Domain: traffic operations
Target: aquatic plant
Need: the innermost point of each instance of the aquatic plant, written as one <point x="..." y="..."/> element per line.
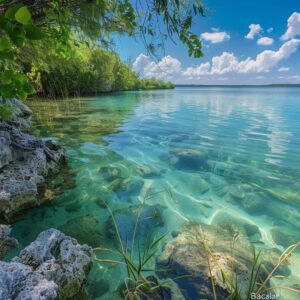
<point x="257" y="284"/>
<point x="136" y="259"/>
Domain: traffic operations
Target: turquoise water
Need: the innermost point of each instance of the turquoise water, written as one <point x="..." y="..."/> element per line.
<point x="202" y="154"/>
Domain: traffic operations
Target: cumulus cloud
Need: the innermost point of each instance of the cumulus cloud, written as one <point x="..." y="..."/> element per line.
<point x="293" y="27"/>
<point x="265" y="41"/>
<point x="226" y="63"/>
<point x="255" y="29"/>
<point x="215" y="37"/>
<point x="167" y="67"/>
<point x="283" y="69"/>
<point x="200" y="70"/>
<point x="270" y="29"/>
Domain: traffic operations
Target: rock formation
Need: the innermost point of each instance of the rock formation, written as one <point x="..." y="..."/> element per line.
<point x="6" y="242"/>
<point x="25" y="162"/>
<point x="54" y="266"/>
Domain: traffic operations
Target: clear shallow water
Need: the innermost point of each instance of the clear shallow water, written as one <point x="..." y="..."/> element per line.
<point x="231" y="153"/>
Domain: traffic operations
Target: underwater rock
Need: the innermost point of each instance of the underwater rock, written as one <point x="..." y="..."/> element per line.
<point x="6" y="242"/>
<point x="254" y="203"/>
<point x="72" y="207"/>
<point x="235" y="225"/>
<point x="97" y="288"/>
<point x="188" y="159"/>
<point x="187" y="254"/>
<point x="150" y="220"/>
<point x="54" y="266"/>
<point x="84" y="229"/>
<point x="283" y="237"/>
<point x="126" y="187"/>
<point x="110" y="173"/>
<point x="149" y="172"/>
<point x="25" y="162"/>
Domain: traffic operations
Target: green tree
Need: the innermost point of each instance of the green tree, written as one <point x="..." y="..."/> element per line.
<point x="55" y="23"/>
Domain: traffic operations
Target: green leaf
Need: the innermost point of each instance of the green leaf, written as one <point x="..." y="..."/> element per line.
<point x="7" y="77"/>
<point x="28" y="88"/>
<point x="5" y="112"/>
<point x="22" y="95"/>
<point x="34" y="33"/>
<point x="17" y="35"/>
<point x="4" y="43"/>
<point x="7" y="91"/>
<point x="2" y="22"/>
<point x="11" y="11"/>
<point x="23" y="15"/>
<point x="18" y="40"/>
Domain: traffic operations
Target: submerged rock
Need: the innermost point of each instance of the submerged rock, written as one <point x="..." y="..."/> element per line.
<point x="25" y="162"/>
<point x="85" y="230"/>
<point x="188" y="159"/>
<point x="110" y="173"/>
<point x="284" y="237"/>
<point x="6" y="241"/>
<point x="201" y="251"/>
<point x="149" y="172"/>
<point x="237" y="226"/>
<point x="150" y="220"/>
<point x="126" y="187"/>
<point x="54" y="266"/>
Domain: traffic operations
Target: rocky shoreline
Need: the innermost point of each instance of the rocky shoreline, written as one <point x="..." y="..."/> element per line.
<point x="25" y="163"/>
<point x="54" y="266"/>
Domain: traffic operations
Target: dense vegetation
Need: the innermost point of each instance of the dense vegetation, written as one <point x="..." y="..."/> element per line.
<point x="85" y="70"/>
<point x="43" y="43"/>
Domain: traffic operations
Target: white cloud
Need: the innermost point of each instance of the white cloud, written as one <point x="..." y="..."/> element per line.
<point x="295" y="78"/>
<point x="165" y="68"/>
<point x="227" y="63"/>
<point x="268" y="58"/>
<point x="265" y="41"/>
<point x="269" y="30"/>
<point x="283" y="69"/>
<point x="140" y="63"/>
<point x="255" y="29"/>
<point x="215" y="37"/>
<point x="293" y="27"/>
<point x="202" y="69"/>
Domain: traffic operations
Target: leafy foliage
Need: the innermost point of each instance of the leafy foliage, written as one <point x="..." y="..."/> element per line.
<point x="60" y="24"/>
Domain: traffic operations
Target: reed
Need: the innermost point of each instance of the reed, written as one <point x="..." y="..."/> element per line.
<point x="136" y="260"/>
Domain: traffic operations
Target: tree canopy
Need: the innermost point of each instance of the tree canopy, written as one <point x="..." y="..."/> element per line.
<point x="59" y="25"/>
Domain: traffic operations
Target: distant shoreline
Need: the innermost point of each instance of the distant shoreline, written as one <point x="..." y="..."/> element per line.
<point x="237" y="85"/>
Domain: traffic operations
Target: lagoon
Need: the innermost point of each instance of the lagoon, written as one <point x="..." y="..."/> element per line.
<point x="207" y="155"/>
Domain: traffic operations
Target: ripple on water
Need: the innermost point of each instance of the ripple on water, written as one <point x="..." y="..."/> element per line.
<point x="207" y="155"/>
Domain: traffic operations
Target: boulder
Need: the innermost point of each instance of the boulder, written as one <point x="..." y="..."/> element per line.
<point x="54" y="266"/>
<point x="149" y="172"/>
<point x="188" y="159"/>
<point x="6" y="242"/>
<point x="25" y="162"/>
<point x="110" y="173"/>
<point x="201" y="251"/>
<point x="21" y="114"/>
<point x="285" y="237"/>
<point x="18" y="281"/>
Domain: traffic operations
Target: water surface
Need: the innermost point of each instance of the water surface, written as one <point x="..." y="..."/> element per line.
<point x="202" y="154"/>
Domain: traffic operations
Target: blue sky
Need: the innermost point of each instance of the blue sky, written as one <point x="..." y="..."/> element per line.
<point x="245" y="42"/>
